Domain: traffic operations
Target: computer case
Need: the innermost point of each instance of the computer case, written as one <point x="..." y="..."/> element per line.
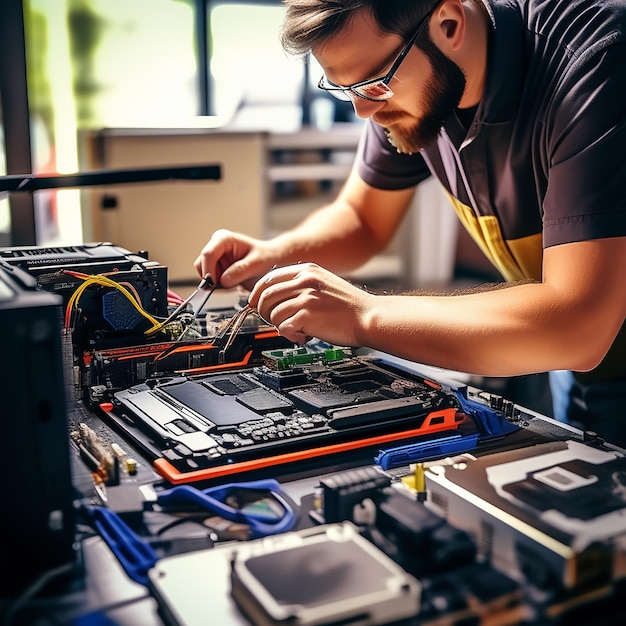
<point x="37" y="522"/>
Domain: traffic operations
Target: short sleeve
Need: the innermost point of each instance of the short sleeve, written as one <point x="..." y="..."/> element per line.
<point x="586" y="147"/>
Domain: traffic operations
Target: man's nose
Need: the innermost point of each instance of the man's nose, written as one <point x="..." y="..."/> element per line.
<point x="366" y="108"/>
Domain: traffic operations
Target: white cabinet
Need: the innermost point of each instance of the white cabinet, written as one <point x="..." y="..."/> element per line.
<point x="172" y="220"/>
<point x="269" y="182"/>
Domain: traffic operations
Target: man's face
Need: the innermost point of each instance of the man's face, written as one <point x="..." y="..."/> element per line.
<point x="435" y="101"/>
<point x="427" y="87"/>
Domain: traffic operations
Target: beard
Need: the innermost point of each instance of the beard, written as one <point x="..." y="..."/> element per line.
<point x="442" y="94"/>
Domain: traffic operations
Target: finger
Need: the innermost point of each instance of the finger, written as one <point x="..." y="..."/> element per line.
<point x="214" y="259"/>
<point x="273" y="277"/>
<point x="290" y="331"/>
<point x="289" y="316"/>
<point x="202" y="263"/>
<point x="298" y="337"/>
<point x="199" y="265"/>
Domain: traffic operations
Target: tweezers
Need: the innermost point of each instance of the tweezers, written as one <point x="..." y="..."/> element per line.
<point x="231" y="329"/>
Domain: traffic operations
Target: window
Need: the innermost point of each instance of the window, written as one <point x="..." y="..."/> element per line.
<point x="121" y="63"/>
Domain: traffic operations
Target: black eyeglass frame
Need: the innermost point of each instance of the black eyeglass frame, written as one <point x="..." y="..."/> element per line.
<point x="338" y="90"/>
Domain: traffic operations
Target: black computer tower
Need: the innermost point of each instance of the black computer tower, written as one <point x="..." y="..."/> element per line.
<point x="37" y="523"/>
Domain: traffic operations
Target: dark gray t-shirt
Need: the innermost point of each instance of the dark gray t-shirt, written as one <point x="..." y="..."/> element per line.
<point x="544" y="160"/>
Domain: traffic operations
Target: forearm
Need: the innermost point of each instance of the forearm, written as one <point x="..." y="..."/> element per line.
<point x="522" y="329"/>
<point x="348" y="232"/>
<point x="333" y="236"/>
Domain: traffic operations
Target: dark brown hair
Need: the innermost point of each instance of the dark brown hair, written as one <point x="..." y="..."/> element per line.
<point x="310" y="23"/>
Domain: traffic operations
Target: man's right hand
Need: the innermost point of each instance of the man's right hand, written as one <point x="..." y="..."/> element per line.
<point x="233" y="259"/>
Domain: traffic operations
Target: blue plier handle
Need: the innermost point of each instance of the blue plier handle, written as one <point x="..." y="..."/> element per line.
<point x="135" y="555"/>
<point x="214" y="499"/>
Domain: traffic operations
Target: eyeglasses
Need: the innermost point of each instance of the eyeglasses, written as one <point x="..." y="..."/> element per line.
<point x="375" y="89"/>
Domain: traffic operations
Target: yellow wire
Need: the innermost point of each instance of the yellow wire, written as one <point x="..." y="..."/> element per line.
<point x="103" y="281"/>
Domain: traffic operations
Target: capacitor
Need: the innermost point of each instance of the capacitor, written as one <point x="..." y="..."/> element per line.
<point x="131" y="466"/>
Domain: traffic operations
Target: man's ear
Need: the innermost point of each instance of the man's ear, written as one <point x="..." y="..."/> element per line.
<point x="447" y="25"/>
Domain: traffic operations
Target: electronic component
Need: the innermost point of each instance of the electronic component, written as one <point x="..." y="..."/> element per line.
<point x="201" y="427"/>
<point x="46" y="263"/>
<point x="127" y="501"/>
<point x="111" y="297"/>
<point x="473" y="594"/>
<point x="338" y="494"/>
<point x="287" y="359"/>
<point x="493" y="420"/>
<point x="417" y="538"/>
<point x="99" y="458"/>
<point x="189" y="586"/>
<point x="113" y="310"/>
<point x="106" y="370"/>
<point x="552" y="513"/>
<point x="60" y="270"/>
<point x="325" y="575"/>
<point x="424" y="543"/>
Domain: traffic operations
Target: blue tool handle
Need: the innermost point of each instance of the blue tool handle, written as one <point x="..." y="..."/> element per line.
<point x="425" y="450"/>
<point x="212" y="499"/>
<point x="220" y="493"/>
<point x="491" y="423"/>
<point x="134" y="554"/>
